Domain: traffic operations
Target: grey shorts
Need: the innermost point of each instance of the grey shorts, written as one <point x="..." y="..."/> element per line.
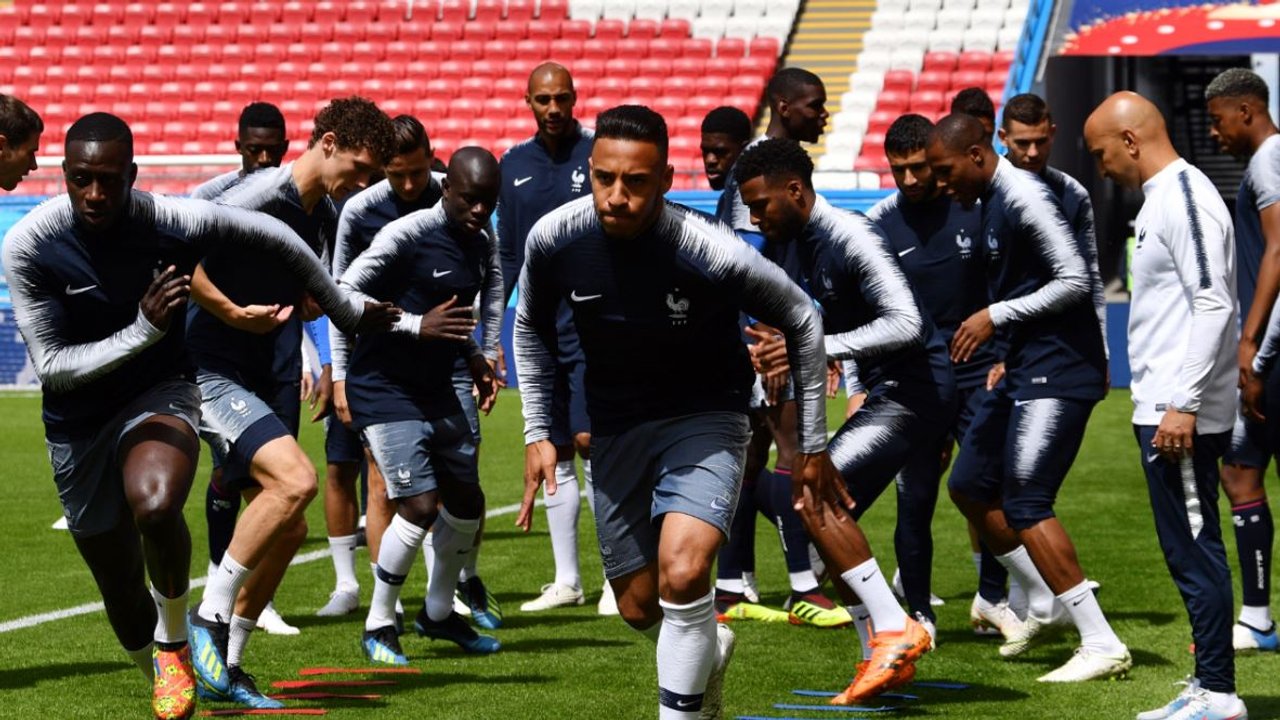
<point x="237" y="422"/>
<point x="414" y="455"/>
<point x="464" y="385"/>
<point x="690" y="465"/>
<point x="87" y="470"/>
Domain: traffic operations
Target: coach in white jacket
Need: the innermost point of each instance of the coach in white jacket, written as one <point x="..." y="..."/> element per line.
<point x="1182" y="337"/>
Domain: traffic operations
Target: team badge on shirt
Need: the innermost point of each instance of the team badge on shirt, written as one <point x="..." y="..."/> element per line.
<point x="964" y="244"/>
<point x="679" y="307"/>
<point x="577" y="177"/>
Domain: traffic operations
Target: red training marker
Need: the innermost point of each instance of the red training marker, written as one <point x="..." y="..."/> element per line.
<point x="301" y="684"/>
<point x="263" y="711"/>
<point x="323" y="696"/>
<point x="304" y="672"/>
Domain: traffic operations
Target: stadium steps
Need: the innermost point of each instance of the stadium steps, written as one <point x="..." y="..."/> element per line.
<point x="826" y="41"/>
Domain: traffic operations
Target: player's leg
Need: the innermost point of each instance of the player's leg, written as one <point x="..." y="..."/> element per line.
<point x="737" y="555"/>
<point x="471" y="590"/>
<point x="1187" y="525"/>
<point x="1044" y="438"/>
<point x="344" y="455"/>
<point x="221" y="508"/>
<point x="988" y="613"/>
<point x="917" y="492"/>
<point x="1244" y="467"/>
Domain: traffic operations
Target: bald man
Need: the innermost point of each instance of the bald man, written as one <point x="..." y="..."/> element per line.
<point x="401" y="396"/>
<point x="1024" y="437"/>
<point x="1181" y="347"/>
<point x="538" y="176"/>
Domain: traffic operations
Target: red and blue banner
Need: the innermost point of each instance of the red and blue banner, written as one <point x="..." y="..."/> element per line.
<point x="1172" y="27"/>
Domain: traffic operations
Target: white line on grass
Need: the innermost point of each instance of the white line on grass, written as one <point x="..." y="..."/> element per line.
<point x="87" y="608"/>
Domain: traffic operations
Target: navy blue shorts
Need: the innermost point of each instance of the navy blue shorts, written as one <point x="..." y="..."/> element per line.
<point x="1019" y="452"/>
<point x="1253" y="444"/>
<point x="569" y="401"/>
<point x="342" y="445"/>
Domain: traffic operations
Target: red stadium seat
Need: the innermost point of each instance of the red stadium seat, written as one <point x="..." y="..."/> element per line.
<point x="899" y="80"/>
<point x="458" y="11"/>
<point x="757" y="65"/>
<point x="872" y="159"/>
<point x="588" y="69"/>
<point x="511" y="87"/>
<point x="513" y="31"/>
<point x="764" y="47"/>
<point x="465" y="107"/>
<point x="521" y="67"/>
<point x="996" y="77"/>
<point x="880" y="120"/>
<point x="575" y="29"/>
<point x="654" y="67"/>
<point x="521" y="126"/>
<point x="543" y="30"/>
<point x="433" y="50"/>
<point x="480" y="30"/>
<point x="534" y="48"/>
<point x="974" y="60"/>
<point x="326" y="13"/>
<point x="614" y="29"/>
<point x="559" y="49"/>
<point x="443" y="87"/>
<point x="940" y="61"/>
<point x="675" y="28"/>
<point x="643" y="29"/>
<point x="632" y="49"/>
<point x="669" y="107"/>
<point x="489" y="70"/>
<point x="688" y="67"/>
<point x="746" y="85"/>
<point x="520" y="11"/>
<point x="465" y="50"/>
<point x="894" y="101"/>
<point x="696" y="47"/>
<point x="479" y="88"/>
<point x="968" y="78"/>
<point x="703" y="104"/>
<point x="665" y="48"/>
<point x="501" y="108"/>
<point x="553" y="10"/>
<point x="927" y="101"/>
<point x="731" y="47"/>
<point x="933" y="80"/>
<point x="489" y="10"/>
<point x="499" y="50"/>
<point x="601" y="49"/>
<point x="1002" y="60"/>
<point x="487" y="127"/>
<point x="446" y="30"/>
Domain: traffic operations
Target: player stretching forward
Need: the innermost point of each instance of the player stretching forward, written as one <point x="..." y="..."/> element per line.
<point x="871" y="316"/>
<point x="1181" y="331"/>
<point x="249" y="384"/>
<point x="1243" y="127"/>
<point x="100" y="281"/>
<point x="649" y="282"/>
<point x="1056" y="372"/>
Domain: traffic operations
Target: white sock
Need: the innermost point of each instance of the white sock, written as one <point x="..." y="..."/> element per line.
<point x="344" y="562"/>
<point x="400" y="545"/>
<point x="469" y="560"/>
<point x="429" y="552"/>
<point x="142" y="658"/>
<point x="1023" y="569"/>
<point x="220" y="594"/>
<point x="171" y="617"/>
<point x="452" y="538"/>
<point x="1257" y="617"/>
<point x="591" y="494"/>
<point x="686" y="655"/>
<point x="1222" y="701"/>
<point x="862" y="623"/>
<point x="803" y="581"/>
<point x="873" y="590"/>
<point x="1086" y="613"/>
<point x="731" y="585"/>
<point x="562" y="522"/>
<point x="210" y="569"/>
<point x="238" y="638"/>
<point x="977" y="561"/>
<point x="1017" y="597"/>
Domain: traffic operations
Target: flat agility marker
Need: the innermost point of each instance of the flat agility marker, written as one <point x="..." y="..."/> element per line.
<point x="305" y="684"/>
<point x="828" y="694"/>
<point x="940" y="685"/>
<point x="323" y="696"/>
<point x="835" y="708"/>
<point x="263" y="711"/>
<point x="306" y="672"/>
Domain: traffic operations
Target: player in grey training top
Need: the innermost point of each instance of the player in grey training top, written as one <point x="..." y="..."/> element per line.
<point x="261" y="143"/>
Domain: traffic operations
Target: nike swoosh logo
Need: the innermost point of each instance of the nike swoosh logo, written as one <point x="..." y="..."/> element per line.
<point x="863" y="618"/>
<point x="1074" y="604"/>
<point x="685" y="703"/>
<point x="1153" y="457"/>
<point x="1020" y="403"/>
<point x="522" y="181"/>
<point x="574" y="296"/>
<point x="77" y="291"/>
<point x="906" y="252"/>
<point x="868" y="576"/>
<point x="438" y="273"/>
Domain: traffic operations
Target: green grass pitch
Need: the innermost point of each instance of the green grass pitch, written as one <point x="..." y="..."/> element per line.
<point x="574" y="664"/>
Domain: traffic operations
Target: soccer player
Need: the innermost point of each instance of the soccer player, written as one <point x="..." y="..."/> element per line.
<point x="539" y="175"/>
<point x="20" y="129"/>
<point x="401" y="395"/>
<point x="975" y="102"/>
<point x="870" y="316"/>
<point x="1243" y="127"/>
<point x="261" y="142"/>
<point x="1055" y="372"/>
<point x="650" y="283"/>
<point x="725" y="132"/>
<point x="99" y="279"/>
<point x="1181" y="347"/>
<point x="797" y="103"/>
<point x="249" y="383"/>
<point x="935" y="241"/>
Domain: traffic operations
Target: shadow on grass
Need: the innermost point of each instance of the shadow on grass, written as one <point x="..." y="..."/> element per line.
<point x="528" y="620"/>
<point x="976" y="692"/>
<point x="12" y="679"/>
<point x="1262" y="706"/>
<point x="1155" y="619"/>
<point x="439" y="679"/>
<point x="560" y="643"/>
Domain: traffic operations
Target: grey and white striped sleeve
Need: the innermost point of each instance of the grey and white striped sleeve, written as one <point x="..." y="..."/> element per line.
<point x="61" y="365"/>
<point x="1088" y="238"/>
<point x="493" y="303"/>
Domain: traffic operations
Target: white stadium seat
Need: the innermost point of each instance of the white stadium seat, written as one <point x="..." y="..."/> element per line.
<point x="777" y="27"/>
<point x="865" y="80"/>
<point x="836" y="160"/>
<point x="709" y="26"/>
<point x="887" y="20"/>
<point x="783" y="8"/>
<point x="867" y="181"/>
<point x="980" y="39"/>
<point x="953" y="4"/>
<point x="850" y="121"/>
<point x="750" y="8"/>
<point x="842" y="141"/>
<point x="946" y="40"/>
<point x="742" y="26"/>
<point x="586" y="9"/>
<point x="651" y="9"/>
<point x="619" y="9"/>
<point x="907" y="58"/>
<point x="873" y="59"/>
<point x="1008" y="37"/>
<point x="838" y="180"/>
<point x="954" y="17"/>
<point x="1015" y="17"/>
<point x="921" y="20"/>
<point x="683" y="9"/>
<point x="924" y="4"/>
<point x="987" y="18"/>
<point x="712" y="8"/>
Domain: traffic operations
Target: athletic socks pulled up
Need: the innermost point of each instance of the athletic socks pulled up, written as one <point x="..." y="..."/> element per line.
<point x="171" y="618"/>
<point x="400" y="545"/>
<point x="1021" y="568"/>
<point x="221" y="508"/>
<point x="563" y="509"/>
<point x="1095" y="632"/>
<point x="220" y="594"/>
<point x="1255" y="533"/>
<point x="451" y="538"/>
<point x="238" y="638"/>
<point x="686" y="656"/>
<point x="873" y="590"/>
<point x="862" y="623"/>
<point x="343" y="548"/>
<point x="142" y="658"/>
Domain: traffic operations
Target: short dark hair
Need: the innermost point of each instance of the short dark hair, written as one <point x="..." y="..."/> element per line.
<point x="907" y="134"/>
<point x="788" y="82"/>
<point x="1237" y="83"/>
<point x="18" y="122"/>
<point x="974" y="101"/>
<point x="1028" y="109"/>
<point x="100" y="127"/>
<point x="728" y="121"/>
<point x="261" y="115"/>
<point x="772" y="158"/>
<point x="958" y="132"/>
<point x="633" y="122"/>
<point x="410" y="135"/>
<point x="357" y="124"/>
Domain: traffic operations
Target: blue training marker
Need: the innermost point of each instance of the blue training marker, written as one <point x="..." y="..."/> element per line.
<point x="827" y="694"/>
<point x="835" y="708"/>
<point x="940" y="685"/>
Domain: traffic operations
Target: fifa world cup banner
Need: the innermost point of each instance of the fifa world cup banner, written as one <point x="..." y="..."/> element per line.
<point x="1172" y="27"/>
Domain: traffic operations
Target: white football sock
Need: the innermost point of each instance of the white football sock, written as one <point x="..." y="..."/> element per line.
<point x="562" y="523"/>
<point x="862" y="623"/>
<point x="344" y="562"/>
<point x="171" y="617"/>
<point x="686" y="656"/>
<point x="1023" y="569"/>
<point x="142" y="658"/>
<point x="731" y="585"/>
<point x="1095" y="632"/>
<point x="977" y="561"/>
<point x="238" y="638"/>
<point x="1222" y="702"/>
<point x="1017" y="597"/>
<point x="399" y="546"/>
<point x="803" y="581"/>
<point x="1254" y="616"/>
<point x="452" y="538"/>
<point x="220" y="594"/>
<point x="591" y="493"/>
<point x="429" y="552"/>
<point x="873" y="590"/>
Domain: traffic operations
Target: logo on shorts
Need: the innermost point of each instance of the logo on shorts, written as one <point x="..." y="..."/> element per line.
<point x="404" y="474"/>
<point x="577" y="177"/>
<point x="679" y="307"/>
<point x="719" y="504"/>
<point x="240" y="406"/>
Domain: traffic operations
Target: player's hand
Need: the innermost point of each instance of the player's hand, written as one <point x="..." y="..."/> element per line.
<point x="775" y="384"/>
<point x="1245" y="354"/>
<point x="500" y="367"/>
<point x="308" y="308"/>
<point x="340" y="407"/>
<point x="377" y="317"/>
<point x="306" y="387"/>
<point x="486" y="383"/>
<point x="320" y="399"/>
<point x="994" y="376"/>
<point x="1251" y="400"/>
<point x="974" y="331"/>
<point x="855" y="404"/>
<point x="447" y="321"/>
<point x="768" y="351"/>
<point x="260" y="319"/>
<point x="817" y="489"/>
<point x="164" y="297"/>
<point x="835" y="377"/>
<point x="1175" y="434"/>
<point x="539" y="467"/>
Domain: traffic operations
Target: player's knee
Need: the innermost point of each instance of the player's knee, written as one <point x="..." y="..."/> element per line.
<point x="295" y="533"/>
<point x="582" y="445"/>
<point x="1024" y="512"/>
<point x="160" y="505"/>
<point x="684" y="578"/>
<point x="640" y="613"/>
<point x="421" y="510"/>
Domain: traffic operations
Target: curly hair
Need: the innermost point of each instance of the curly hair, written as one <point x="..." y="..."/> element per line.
<point x="774" y="158"/>
<point x="357" y="124"/>
<point x="907" y="134"/>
